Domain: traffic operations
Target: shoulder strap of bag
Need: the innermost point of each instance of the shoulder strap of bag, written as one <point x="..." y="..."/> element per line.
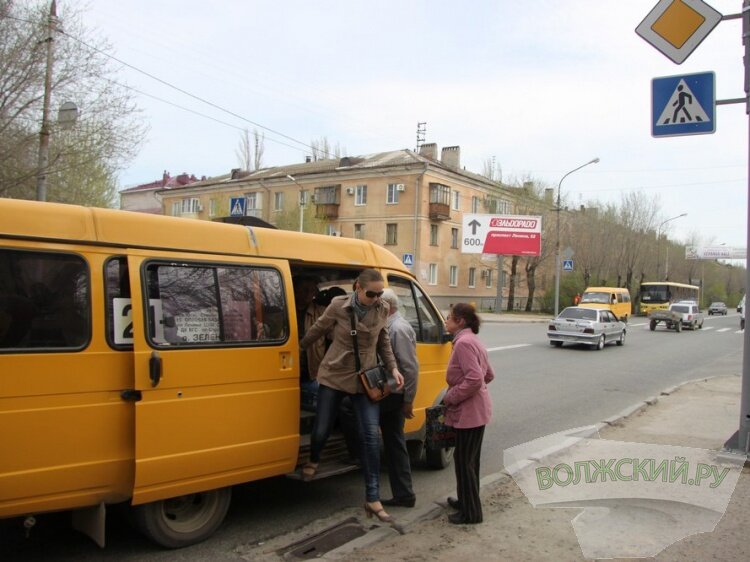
<point x="353" y="333"/>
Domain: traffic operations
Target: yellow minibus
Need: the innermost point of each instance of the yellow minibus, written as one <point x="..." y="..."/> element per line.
<point x="616" y="299"/>
<point x="154" y="360"/>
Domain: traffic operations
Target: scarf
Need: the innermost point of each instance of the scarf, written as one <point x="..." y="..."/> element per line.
<point x="360" y="308"/>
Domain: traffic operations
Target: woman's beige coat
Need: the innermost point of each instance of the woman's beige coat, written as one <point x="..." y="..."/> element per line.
<point x="337" y="370"/>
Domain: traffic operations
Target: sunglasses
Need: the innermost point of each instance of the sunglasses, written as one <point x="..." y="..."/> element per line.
<point x="373" y="294"/>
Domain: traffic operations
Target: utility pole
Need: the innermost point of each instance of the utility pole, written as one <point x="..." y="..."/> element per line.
<point x="43" y="160"/>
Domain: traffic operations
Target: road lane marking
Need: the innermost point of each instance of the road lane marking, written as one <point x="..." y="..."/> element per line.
<point x="636" y="325"/>
<point x="503" y="348"/>
<point x="723" y="330"/>
<point x="712" y="327"/>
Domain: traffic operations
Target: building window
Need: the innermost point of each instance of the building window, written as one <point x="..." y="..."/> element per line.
<point x="212" y="207"/>
<point x="433" y="235"/>
<point x="488" y="278"/>
<point x="304" y="197"/>
<point x="433" y="274"/>
<point x="328" y="195"/>
<point x="472" y="277"/>
<point x="454" y="238"/>
<point x="359" y="231"/>
<point x="278" y="201"/>
<point x="331" y="230"/>
<point x="440" y="193"/>
<point x="453" y="276"/>
<point x="392" y="194"/>
<point x="504" y="207"/>
<point x="176" y="208"/>
<point x="455" y="201"/>
<point x="360" y="195"/>
<point x="391" y="234"/>
<point x="475" y="204"/>
<point x="191" y="205"/>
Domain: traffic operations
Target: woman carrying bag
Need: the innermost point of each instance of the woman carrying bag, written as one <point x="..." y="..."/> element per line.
<point x="468" y="408"/>
<point x="338" y="376"/>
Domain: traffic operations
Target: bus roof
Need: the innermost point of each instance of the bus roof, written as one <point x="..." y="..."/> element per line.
<point x="668" y="284"/>
<point x="57" y="222"/>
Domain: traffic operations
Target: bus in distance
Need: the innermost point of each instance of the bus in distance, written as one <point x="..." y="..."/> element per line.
<point x="658" y="294"/>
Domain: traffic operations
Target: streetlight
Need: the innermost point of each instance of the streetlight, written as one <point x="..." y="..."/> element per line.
<point x="301" y="202"/>
<point x="658" y="247"/>
<point x="557" y="243"/>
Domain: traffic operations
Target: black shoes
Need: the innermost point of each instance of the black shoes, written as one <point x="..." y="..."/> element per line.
<point x="459" y="519"/>
<point x="400" y="502"/>
<point x="454" y="503"/>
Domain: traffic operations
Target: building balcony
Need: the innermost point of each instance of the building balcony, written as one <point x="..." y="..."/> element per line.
<point x="439" y="211"/>
<point x="327" y="211"/>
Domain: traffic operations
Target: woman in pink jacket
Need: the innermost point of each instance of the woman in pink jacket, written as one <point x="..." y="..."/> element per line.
<point x="468" y="408"/>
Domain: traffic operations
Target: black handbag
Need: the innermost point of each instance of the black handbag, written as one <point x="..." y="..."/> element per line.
<point x="376" y="381"/>
<point x="437" y="434"/>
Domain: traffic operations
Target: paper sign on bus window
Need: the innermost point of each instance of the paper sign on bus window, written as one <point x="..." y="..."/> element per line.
<point x="123" y="320"/>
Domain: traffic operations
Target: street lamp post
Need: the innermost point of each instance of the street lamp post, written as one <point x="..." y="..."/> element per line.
<point x="301" y="203"/>
<point x="658" y="248"/>
<point x="557" y="243"/>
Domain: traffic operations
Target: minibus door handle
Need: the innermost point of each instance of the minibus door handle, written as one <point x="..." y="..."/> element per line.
<point x="154" y="368"/>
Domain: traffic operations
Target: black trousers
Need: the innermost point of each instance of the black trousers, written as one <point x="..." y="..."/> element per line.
<point x="394" y="444"/>
<point x="466" y="459"/>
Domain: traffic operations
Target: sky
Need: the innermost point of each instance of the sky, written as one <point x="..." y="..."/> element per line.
<point x="542" y="86"/>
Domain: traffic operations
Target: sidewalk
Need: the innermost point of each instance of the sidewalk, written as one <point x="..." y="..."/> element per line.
<point x="700" y="414"/>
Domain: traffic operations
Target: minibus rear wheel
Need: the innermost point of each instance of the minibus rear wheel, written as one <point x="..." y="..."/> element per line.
<point x="438" y="458"/>
<point x="184" y="520"/>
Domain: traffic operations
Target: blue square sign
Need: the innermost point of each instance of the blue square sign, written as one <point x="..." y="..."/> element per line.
<point x="683" y="105"/>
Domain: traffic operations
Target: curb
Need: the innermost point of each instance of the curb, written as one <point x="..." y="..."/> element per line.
<point x="436" y="507"/>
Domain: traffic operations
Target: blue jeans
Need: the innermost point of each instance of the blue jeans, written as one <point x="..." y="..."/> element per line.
<point x="368" y="419"/>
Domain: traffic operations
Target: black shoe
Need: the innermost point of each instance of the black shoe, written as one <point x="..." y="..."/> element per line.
<point x="454" y="503"/>
<point x="459" y="519"/>
<point x="400" y="502"/>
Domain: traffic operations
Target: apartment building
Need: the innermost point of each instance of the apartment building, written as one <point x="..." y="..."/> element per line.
<point x="410" y="203"/>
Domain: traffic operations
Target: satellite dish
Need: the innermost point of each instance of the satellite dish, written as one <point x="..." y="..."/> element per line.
<point x="67" y="115"/>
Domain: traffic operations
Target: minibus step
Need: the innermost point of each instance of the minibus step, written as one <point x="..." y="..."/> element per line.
<point x="325" y="469"/>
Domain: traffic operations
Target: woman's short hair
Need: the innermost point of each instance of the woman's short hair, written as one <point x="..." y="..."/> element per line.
<point x="369" y="276"/>
<point x="469" y="315"/>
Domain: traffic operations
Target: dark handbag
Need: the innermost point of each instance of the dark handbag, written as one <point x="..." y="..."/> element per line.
<point x="437" y="434"/>
<point x="376" y="381"/>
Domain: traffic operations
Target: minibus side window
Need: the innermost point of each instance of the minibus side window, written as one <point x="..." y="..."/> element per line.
<point x="417" y="309"/>
<point x="44" y="301"/>
<point x="195" y="304"/>
<point x="118" y="304"/>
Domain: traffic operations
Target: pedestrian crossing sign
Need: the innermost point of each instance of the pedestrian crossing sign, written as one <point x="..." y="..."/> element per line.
<point x="683" y="105"/>
<point x="237" y="206"/>
<point x="567" y="265"/>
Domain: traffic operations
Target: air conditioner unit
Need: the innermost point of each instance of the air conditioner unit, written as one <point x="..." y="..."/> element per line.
<point x="400" y="187"/>
<point x="350" y="191"/>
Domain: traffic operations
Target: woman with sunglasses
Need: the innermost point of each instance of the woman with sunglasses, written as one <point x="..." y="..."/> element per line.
<point x="468" y="408"/>
<point x="337" y="376"/>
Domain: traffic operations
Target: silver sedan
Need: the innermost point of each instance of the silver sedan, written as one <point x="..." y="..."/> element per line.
<point x="590" y="326"/>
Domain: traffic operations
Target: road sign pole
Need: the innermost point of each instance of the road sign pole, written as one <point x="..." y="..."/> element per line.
<point x="499" y="293"/>
<point x="743" y="442"/>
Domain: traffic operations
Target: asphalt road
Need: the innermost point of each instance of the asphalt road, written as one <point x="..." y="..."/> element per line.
<point x="539" y="390"/>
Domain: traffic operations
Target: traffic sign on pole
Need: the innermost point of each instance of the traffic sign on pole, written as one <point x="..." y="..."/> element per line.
<point x="677" y="27"/>
<point x="683" y="105"/>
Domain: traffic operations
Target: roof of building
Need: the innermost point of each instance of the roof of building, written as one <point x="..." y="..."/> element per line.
<point x="167" y="182"/>
<point x="403" y="157"/>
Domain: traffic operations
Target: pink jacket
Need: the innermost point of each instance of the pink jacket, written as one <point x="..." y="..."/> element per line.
<point x="468" y="400"/>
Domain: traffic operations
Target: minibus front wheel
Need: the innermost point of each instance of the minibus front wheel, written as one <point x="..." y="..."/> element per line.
<point x="184" y="520"/>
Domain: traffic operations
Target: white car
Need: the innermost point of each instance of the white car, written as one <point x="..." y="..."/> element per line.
<point x="590" y="326"/>
<point x="692" y="317"/>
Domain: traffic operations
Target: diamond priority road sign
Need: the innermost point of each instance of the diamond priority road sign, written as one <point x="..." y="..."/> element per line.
<point x="677" y="27"/>
<point x="505" y="235"/>
<point x="683" y="105"/>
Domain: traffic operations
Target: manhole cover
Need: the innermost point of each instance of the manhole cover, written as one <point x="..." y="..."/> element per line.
<point x="324" y="541"/>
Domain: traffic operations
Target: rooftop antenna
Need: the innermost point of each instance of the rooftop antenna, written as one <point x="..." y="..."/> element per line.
<point x="421" y="134"/>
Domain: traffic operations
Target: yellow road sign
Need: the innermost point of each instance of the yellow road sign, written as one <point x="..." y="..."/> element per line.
<point x="677" y="27"/>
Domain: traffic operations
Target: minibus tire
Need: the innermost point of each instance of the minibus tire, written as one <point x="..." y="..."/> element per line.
<point x="438" y="458"/>
<point x="184" y="520"/>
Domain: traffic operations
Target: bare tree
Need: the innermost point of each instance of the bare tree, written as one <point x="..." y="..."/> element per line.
<point x="84" y="161"/>
<point x="250" y="151"/>
<point x="492" y="171"/>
